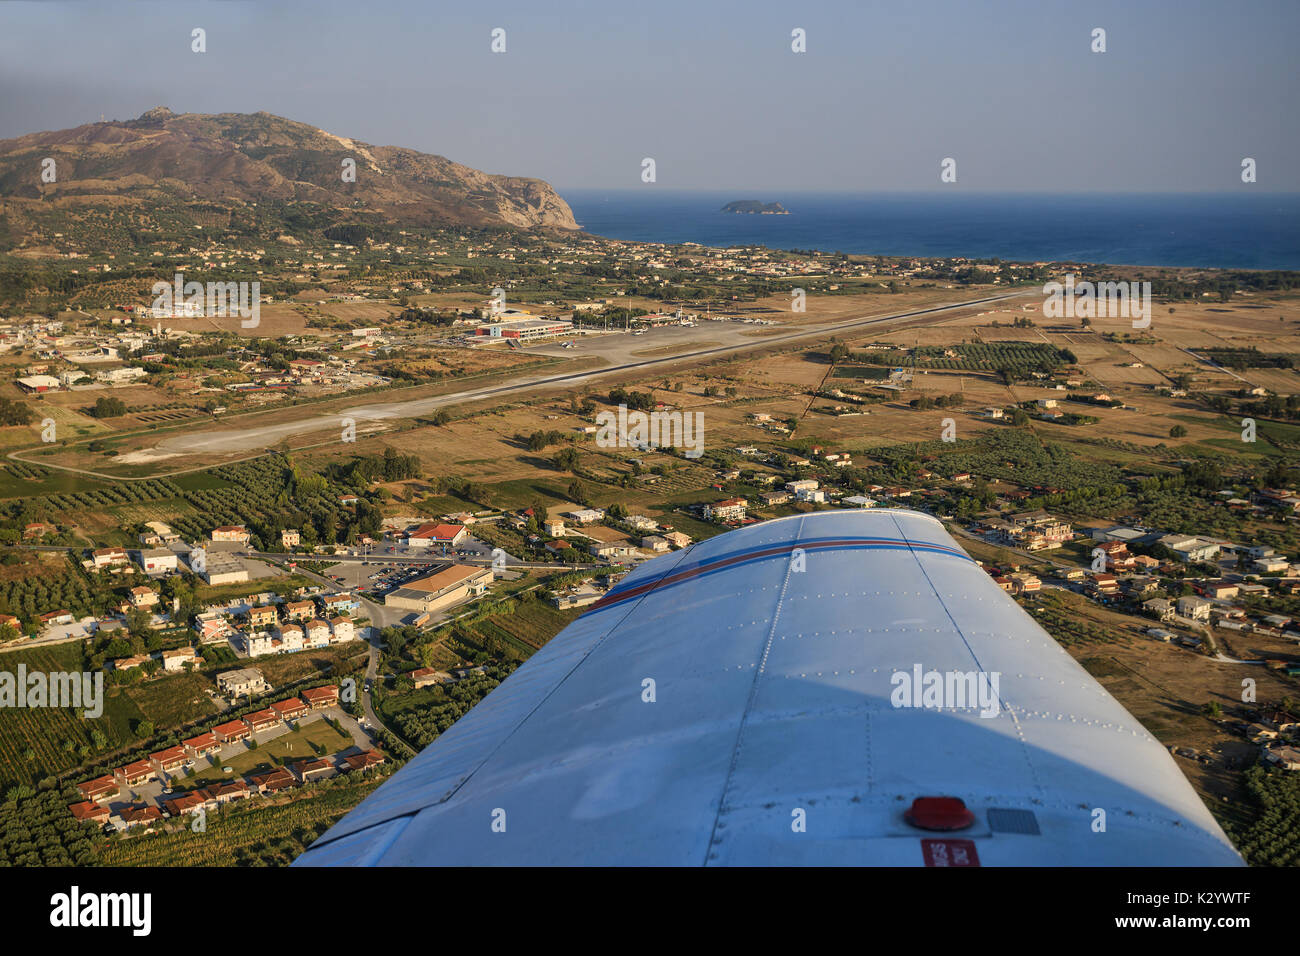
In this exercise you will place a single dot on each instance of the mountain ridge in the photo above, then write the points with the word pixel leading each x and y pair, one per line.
pixel 252 158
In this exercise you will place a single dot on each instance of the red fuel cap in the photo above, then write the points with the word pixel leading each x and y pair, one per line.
pixel 939 813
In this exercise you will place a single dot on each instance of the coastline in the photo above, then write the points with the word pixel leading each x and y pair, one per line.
pixel 1238 230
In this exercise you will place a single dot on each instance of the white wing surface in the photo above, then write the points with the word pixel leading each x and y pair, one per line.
pixel 738 703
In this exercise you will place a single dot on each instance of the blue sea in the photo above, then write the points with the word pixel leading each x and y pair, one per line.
pixel 1239 230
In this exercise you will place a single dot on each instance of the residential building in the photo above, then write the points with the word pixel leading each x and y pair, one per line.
pixel 101 788
pixel 262 616
pixel 231 731
pixel 244 682
pixel 316 633
pixel 1103 585
pixel 427 676
pixel 176 660
pixel 109 558
pixel 134 774
pixel 90 812
pixel 170 760
pixel 142 597
pixel 340 604
pixel 1220 590
pixel 363 761
pixel 258 643
pixel 202 745
pixel 732 509
pixel 291 639
pixel 141 815
pixel 261 720
pixel 1285 756
pixel 309 770
pixel 1022 582
pixel 1197 609
pixel 274 781
pixel 299 611
pixel 290 708
pixel 1160 609
pixel 321 697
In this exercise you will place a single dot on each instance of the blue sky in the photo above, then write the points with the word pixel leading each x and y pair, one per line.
pixel 710 90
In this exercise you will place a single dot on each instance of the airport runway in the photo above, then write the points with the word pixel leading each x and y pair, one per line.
pixel 234 440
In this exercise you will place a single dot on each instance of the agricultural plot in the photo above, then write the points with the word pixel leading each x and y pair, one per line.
pixel 162 510
pixel 39 742
pixel 1121 374
pixel 160 417
pixel 21 480
pixel 860 372
pixel 993 334
pixel 1278 380
pixel 533 624
pixel 173 700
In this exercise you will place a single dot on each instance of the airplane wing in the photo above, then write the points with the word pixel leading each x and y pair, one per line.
pixel 768 697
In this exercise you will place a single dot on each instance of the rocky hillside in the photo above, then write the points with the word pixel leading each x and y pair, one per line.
pixel 166 161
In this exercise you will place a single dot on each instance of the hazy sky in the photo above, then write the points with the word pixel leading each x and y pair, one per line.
pixel 710 90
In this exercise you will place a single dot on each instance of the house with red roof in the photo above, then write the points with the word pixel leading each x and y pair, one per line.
pixel 101 788
pixel 141 815
pixel 226 792
pixel 318 697
pixel 363 761
pixel 169 760
pixel 136 773
pixel 202 745
pixel 427 535
pixel 232 731
pixel 262 720
pixel 91 812
pixel 275 780
pixel 289 708
pixel 191 802
pixel 309 770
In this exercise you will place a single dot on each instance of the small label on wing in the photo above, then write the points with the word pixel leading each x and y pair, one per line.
pixel 949 853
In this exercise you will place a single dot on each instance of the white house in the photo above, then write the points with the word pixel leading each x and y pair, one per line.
pixel 1198 609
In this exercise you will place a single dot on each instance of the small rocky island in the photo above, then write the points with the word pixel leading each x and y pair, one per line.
pixel 753 207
